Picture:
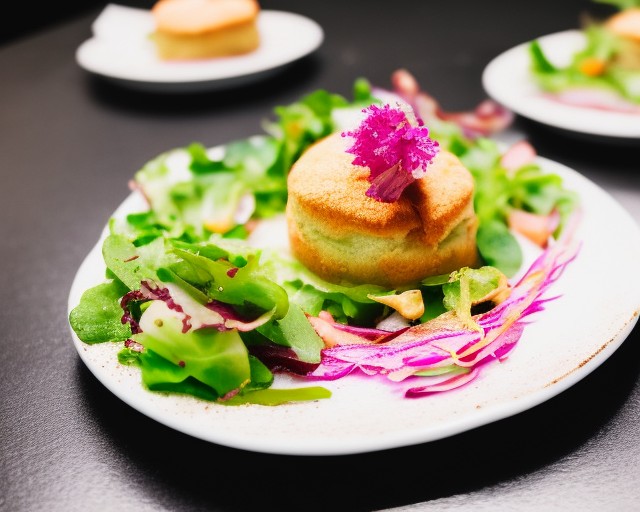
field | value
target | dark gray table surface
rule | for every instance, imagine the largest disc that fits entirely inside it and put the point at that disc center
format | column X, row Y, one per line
column 68, row 145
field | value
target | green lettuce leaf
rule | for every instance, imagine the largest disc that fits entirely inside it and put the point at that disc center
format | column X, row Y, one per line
column 97, row 317
column 218, row 359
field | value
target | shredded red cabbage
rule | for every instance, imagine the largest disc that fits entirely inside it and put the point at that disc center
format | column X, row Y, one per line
column 447, row 344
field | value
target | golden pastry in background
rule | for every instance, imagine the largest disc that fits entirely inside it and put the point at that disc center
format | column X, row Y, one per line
column 626, row 25
column 203, row 29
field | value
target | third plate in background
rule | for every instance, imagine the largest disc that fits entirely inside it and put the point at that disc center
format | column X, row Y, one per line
column 507, row 80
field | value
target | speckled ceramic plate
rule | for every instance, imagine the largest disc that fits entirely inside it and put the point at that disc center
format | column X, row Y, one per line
column 578, row 331
column 507, row 79
column 121, row 51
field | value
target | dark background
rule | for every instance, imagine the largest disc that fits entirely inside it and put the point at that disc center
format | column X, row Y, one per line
column 25, row 18
column 69, row 142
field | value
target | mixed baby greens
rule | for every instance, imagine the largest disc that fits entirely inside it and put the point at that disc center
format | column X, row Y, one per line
column 202, row 311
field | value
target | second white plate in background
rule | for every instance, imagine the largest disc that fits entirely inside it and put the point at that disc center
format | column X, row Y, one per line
column 121, row 50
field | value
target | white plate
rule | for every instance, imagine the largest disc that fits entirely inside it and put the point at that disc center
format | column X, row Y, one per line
column 507, row 80
column 121, row 50
column 597, row 307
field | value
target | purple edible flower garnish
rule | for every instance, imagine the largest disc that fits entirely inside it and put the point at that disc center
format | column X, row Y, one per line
column 396, row 151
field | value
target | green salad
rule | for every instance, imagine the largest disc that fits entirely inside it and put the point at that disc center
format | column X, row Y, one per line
column 608, row 62
column 202, row 311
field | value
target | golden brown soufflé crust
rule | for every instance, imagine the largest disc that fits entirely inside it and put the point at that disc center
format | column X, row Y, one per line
column 344, row 236
column 201, row 29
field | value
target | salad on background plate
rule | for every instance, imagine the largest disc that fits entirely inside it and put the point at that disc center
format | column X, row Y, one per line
column 192, row 309
column 605, row 73
column 586, row 81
